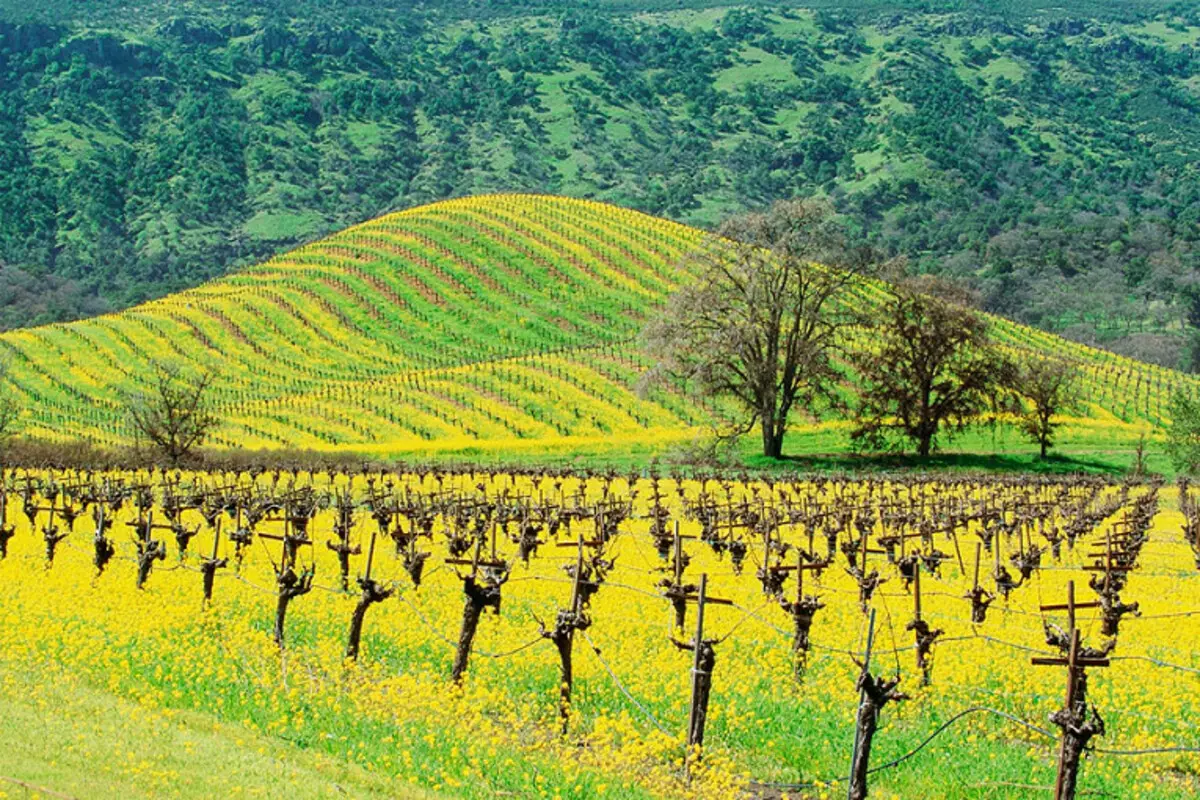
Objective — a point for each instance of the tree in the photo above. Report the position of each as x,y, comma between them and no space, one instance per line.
1051,387
10,409
930,365
756,322
175,414
1183,434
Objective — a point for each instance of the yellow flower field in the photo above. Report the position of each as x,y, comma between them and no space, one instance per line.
396,723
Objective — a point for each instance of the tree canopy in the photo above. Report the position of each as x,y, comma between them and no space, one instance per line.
757,319
929,369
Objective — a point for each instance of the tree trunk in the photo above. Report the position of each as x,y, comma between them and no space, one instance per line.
343,554
471,612
356,625
868,721
703,679
772,442
209,572
281,615
1077,730
563,644
372,593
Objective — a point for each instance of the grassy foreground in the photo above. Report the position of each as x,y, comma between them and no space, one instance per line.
85,741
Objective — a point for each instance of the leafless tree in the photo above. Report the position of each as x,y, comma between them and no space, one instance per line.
756,324
175,413
926,365
1050,387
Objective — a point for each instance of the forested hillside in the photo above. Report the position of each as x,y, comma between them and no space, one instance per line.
1049,155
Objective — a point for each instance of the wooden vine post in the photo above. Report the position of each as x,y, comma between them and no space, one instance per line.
51,534
149,549
802,610
102,546
674,589
925,636
1078,726
289,583
241,536
980,597
568,621
6,531
1109,587
867,582
874,694
704,658
372,592
481,593
341,546
210,565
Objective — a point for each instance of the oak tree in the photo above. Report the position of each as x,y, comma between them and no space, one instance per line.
927,366
1183,434
10,407
1050,387
175,413
755,326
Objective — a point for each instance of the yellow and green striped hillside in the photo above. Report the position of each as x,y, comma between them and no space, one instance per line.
493,319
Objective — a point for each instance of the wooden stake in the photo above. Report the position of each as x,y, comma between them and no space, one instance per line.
866,671
1076,729
698,704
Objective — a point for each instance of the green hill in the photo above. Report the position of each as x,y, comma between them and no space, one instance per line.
1045,151
500,323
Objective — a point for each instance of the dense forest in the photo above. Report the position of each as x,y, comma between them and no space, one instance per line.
1046,153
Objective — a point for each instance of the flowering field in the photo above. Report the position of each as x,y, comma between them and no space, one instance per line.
154,690
498,322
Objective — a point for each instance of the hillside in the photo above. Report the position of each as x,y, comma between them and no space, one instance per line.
502,321
1045,151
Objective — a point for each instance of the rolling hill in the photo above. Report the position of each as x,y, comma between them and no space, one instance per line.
1047,152
496,321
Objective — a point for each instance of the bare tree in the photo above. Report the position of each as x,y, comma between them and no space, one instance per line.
927,364
175,414
1051,387
755,325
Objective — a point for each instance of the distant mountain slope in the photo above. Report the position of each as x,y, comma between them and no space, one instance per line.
1045,151
493,319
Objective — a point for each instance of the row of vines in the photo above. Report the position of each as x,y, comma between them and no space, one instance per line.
637,633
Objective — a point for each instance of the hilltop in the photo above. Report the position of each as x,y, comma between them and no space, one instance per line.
1044,151
502,323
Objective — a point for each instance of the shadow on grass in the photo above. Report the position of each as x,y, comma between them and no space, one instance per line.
964,462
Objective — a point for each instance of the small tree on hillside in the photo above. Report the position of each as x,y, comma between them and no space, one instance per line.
1183,435
175,413
1050,387
758,317
10,408
927,365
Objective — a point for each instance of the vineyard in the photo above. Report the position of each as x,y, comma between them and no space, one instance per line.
499,320
557,634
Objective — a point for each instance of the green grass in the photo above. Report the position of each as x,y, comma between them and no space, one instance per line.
756,66
70,738
824,449
282,225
